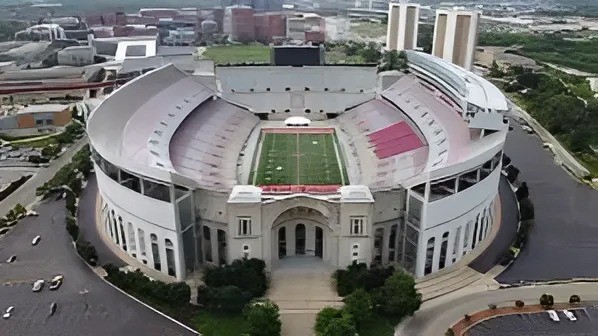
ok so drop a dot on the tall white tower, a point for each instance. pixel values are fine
(456, 36)
(403, 21)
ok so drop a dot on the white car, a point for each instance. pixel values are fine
(38, 285)
(56, 282)
(569, 315)
(11, 259)
(32, 213)
(8, 311)
(553, 315)
(36, 240)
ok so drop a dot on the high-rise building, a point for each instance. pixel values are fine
(402, 26)
(455, 36)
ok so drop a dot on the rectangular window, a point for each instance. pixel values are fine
(357, 225)
(244, 226)
(156, 191)
(111, 170)
(130, 181)
(442, 189)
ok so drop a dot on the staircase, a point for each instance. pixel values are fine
(449, 282)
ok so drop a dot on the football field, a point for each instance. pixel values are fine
(299, 159)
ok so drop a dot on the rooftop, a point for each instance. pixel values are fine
(44, 108)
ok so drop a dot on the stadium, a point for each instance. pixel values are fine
(337, 163)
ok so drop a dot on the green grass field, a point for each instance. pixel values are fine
(307, 159)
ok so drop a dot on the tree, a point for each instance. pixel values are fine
(546, 300)
(324, 317)
(495, 70)
(519, 304)
(449, 332)
(337, 322)
(574, 299)
(72, 228)
(359, 304)
(371, 53)
(20, 209)
(393, 60)
(263, 318)
(398, 297)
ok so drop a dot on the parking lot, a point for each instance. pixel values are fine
(564, 240)
(86, 304)
(539, 324)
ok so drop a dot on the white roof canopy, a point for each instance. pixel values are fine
(296, 120)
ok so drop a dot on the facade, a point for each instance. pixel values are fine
(455, 36)
(239, 23)
(34, 116)
(176, 166)
(308, 27)
(269, 26)
(402, 26)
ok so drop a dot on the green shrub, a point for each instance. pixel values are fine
(519, 304)
(263, 318)
(177, 293)
(359, 304)
(449, 332)
(574, 299)
(359, 276)
(334, 322)
(72, 228)
(228, 299)
(87, 252)
(398, 297)
(249, 275)
(546, 300)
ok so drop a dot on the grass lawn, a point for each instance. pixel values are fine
(308, 159)
(210, 324)
(369, 29)
(231, 54)
(379, 326)
(39, 143)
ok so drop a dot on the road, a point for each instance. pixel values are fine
(25, 195)
(564, 240)
(509, 220)
(86, 304)
(87, 224)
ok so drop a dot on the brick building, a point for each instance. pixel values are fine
(268, 26)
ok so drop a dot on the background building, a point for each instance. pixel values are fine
(239, 23)
(44, 116)
(455, 36)
(269, 26)
(403, 22)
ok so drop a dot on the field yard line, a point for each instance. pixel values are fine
(297, 154)
(325, 143)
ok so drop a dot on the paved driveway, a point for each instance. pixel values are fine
(564, 241)
(86, 304)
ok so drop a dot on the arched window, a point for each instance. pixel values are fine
(475, 232)
(429, 255)
(443, 250)
(122, 233)
(156, 252)
(142, 248)
(170, 263)
(132, 242)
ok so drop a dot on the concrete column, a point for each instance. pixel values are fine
(450, 248)
(214, 246)
(290, 236)
(400, 228)
(471, 230)
(385, 240)
(461, 242)
(310, 239)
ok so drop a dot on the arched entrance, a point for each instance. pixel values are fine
(300, 239)
(300, 231)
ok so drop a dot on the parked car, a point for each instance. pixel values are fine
(36, 240)
(56, 282)
(38, 285)
(53, 307)
(11, 259)
(569, 315)
(553, 315)
(527, 129)
(32, 213)
(8, 312)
